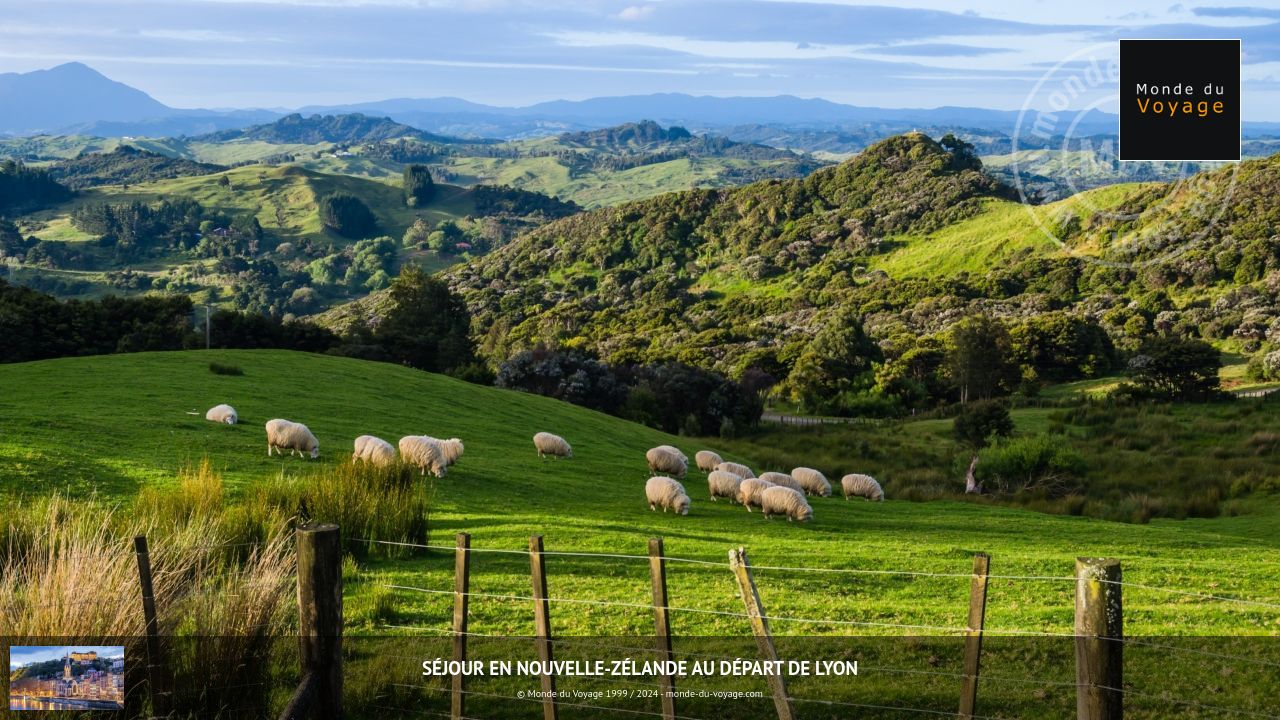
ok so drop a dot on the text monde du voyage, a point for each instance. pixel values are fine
(1180, 99)
(629, 667)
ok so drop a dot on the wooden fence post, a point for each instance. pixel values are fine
(662, 625)
(973, 634)
(159, 689)
(461, 586)
(320, 619)
(542, 626)
(760, 627)
(1099, 640)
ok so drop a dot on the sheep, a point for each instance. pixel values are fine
(424, 453)
(783, 479)
(452, 450)
(666, 493)
(738, 469)
(222, 414)
(785, 501)
(676, 451)
(373, 450)
(749, 491)
(707, 460)
(663, 459)
(552, 445)
(813, 482)
(295, 437)
(863, 486)
(723, 484)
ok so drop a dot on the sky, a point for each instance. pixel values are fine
(903, 53)
(20, 655)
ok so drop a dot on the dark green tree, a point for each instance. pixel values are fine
(974, 427)
(427, 326)
(1174, 368)
(418, 186)
(347, 215)
(980, 359)
(838, 355)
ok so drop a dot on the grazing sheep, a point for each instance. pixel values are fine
(749, 492)
(552, 445)
(863, 486)
(812, 481)
(295, 437)
(222, 414)
(668, 494)
(783, 479)
(424, 453)
(677, 451)
(373, 450)
(785, 501)
(738, 469)
(707, 460)
(666, 459)
(723, 484)
(452, 450)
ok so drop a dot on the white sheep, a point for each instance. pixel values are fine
(553, 445)
(863, 486)
(295, 437)
(783, 479)
(666, 493)
(373, 450)
(785, 501)
(666, 459)
(723, 484)
(222, 414)
(424, 453)
(677, 451)
(749, 491)
(452, 450)
(813, 482)
(707, 460)
(738, 469)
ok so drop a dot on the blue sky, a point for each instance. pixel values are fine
(20, 655)
(909, 53)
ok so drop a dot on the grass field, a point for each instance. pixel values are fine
(105, 427)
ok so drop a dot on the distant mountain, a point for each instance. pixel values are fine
(188, 122)
(348, 128)
(67, 95)
(628, 135)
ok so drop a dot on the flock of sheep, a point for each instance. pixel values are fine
(775, 493)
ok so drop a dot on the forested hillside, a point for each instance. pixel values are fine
(126, 165)
(781, 277)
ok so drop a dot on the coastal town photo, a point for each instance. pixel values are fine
(59, 677)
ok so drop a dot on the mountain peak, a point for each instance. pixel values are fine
(69, 94)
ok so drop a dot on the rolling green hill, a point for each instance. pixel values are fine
(107, 426)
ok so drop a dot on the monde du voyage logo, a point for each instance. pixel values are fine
(1179, 100)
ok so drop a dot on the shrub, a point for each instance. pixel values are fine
(220, 369)
(1034, 463)
(347, 215)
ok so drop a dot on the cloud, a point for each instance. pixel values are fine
(635, 12)
(1236, 12)
(937, 50)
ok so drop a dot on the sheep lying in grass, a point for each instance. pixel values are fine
(663, 492)
(666, 459)
(373, 450)
(552, 445)
(783, 479)
(723, 485)
(424, 453)
(452, 450)
(222, 414)
(785, 501)
(812, 481)
(707, 460)
(863, 486)
(738, 469)
(295, 437)
(749, 491)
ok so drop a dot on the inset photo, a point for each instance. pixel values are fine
(66, 677)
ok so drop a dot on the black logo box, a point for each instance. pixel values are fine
(1180, 65)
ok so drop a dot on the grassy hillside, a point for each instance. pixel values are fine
(107, 426)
